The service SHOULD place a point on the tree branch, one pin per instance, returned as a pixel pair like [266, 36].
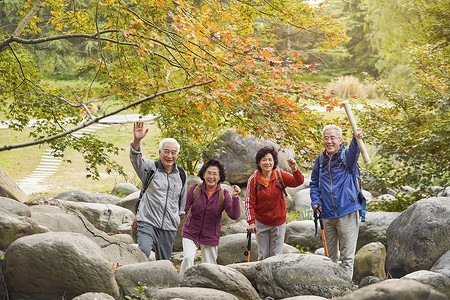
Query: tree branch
[96, 120]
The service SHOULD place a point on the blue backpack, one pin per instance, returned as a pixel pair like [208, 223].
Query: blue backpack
[361, 198]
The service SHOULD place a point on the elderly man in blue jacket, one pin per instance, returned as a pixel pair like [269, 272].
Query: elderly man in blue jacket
[336, 197]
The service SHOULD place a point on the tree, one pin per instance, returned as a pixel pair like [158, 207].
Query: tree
[201, 66]
[412, 134]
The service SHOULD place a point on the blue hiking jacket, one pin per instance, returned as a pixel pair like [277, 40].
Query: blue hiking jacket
[338, 195]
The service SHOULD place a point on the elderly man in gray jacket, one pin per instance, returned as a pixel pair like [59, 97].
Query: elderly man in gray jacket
[163, 202]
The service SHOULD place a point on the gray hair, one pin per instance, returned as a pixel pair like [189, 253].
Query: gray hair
[168, 140]
[333, 127]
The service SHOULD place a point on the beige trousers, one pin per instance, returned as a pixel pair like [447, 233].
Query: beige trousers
[342, 234]
[270, 239]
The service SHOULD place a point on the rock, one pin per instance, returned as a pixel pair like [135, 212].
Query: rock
[438, 281]
[301, 274]
[124, 189]
[129, 202]
[192, 293]
[57, 264]
[442, 265]
[302, 201]
[302, 233]
[232, 247]
[94, 296]
[238, 153]
[13, 227]
[247, 269]
[14, 207]
[369, 261]
[374, 228]
[305, 297]
[9, 189]
[82, 196]
[368, 280]
[130, 277]
[105, 217]
[395, 289]
[219, 277]
[418, 237]
[59, 220]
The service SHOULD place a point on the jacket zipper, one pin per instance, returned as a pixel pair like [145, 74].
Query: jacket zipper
[165, 205]
[351, 195]
[331, 185]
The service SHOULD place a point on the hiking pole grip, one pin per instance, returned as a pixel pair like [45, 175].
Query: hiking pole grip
[362, 147]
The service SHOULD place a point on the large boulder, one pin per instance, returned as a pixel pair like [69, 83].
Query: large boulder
[53, 265]
[369, 261]
[130, 277]
[442, 265]
[221, 278]
[302, 233]
[9, 189]
[14, 207]
[232, 247]
[129, 201]
[395, 289]
[248, 269]
[60, 220]
[124, 189]
[83, 196]
[13, 227]
[438, 281]
[301, 274]
[192, 293]
[418, 237]
[94, 296]
[238, 153]
[374, 228]
[105, 217]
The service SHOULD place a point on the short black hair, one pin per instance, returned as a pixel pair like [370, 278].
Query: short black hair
[216, 163]
[263, 152]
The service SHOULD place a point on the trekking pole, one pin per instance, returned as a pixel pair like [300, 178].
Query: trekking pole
[319, 216]
[249, 245]
[362, 147]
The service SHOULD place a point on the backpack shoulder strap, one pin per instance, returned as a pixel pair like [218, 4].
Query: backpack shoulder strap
[195, 193]
[145, 185]
[221, 198]
[320, 170]
[280, 182]
[182, 175]
[256, 182]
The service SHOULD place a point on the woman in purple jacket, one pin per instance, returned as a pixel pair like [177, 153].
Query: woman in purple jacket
[202, 226]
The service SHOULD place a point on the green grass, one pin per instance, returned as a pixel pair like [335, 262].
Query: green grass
[21, 162]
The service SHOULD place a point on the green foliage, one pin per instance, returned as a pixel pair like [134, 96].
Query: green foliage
[139, 292]
[302, 249]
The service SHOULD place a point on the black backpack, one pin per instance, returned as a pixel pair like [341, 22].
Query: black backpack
[149, 178]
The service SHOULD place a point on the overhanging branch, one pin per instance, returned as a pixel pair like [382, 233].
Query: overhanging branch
[96, 120]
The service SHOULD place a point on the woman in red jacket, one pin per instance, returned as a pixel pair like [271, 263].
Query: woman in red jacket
[206, 201]
[265, 205]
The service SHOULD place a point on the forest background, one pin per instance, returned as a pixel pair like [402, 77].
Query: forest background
[204, 67]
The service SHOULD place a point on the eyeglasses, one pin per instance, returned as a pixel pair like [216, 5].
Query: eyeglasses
[332, 138]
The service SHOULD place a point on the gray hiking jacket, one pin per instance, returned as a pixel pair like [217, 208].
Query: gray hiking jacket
[165, 198]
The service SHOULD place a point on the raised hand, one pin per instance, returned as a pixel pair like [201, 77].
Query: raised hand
[292, 164]
[139, 133]
[236, 190]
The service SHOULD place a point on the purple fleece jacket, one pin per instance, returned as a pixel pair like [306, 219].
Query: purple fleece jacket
[205, 220]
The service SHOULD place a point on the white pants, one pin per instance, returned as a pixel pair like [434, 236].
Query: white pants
[342, 233]
[270, 239]
[209, 254]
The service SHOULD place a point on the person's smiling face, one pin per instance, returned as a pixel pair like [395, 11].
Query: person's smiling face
[266, 163]
[211, 177]
[169, 155]
[331, 141]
